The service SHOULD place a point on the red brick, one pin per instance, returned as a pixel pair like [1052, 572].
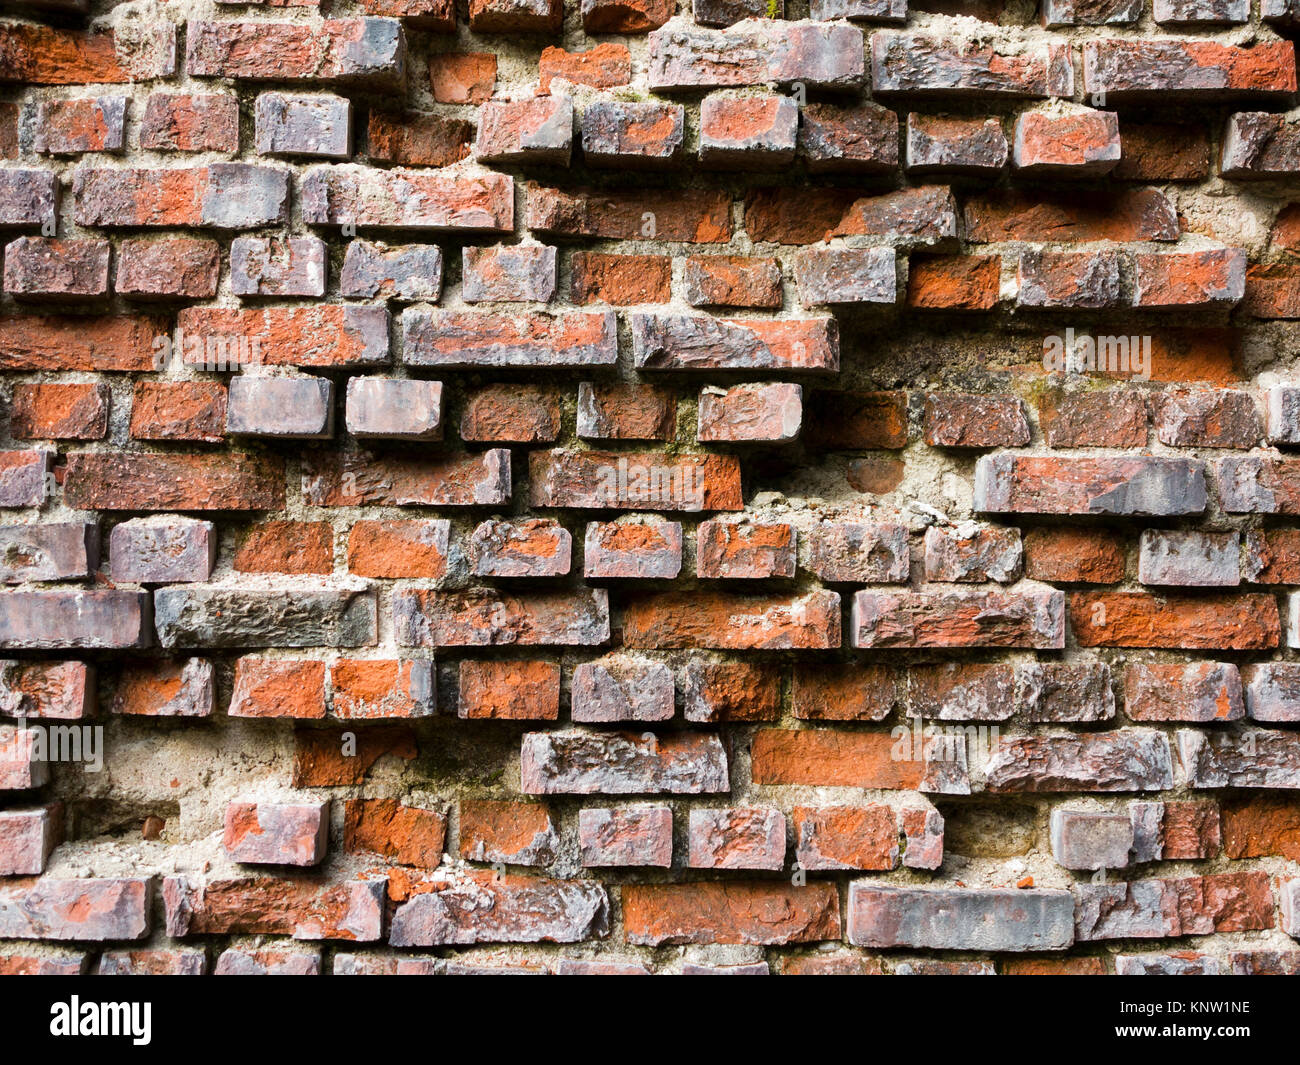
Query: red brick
[278, 687]
[604, 66]
[643, 550]
[1074, 555]
[513, 833]
[696, 216]
[176, 688]
[607, 480]
[917, 64]
[298, 547]
[631, 836]
[525, 414]
[514, 691]
[47, 690]
[1135, 619]
[450, 479]
[1109, 418]
[1139, 214]
[761, 913]
[184, 122]
[46, 269]
[365, 689]
[731, 622]
[845, 693]
[60, 411]
[108, 480]
[621, 279]
[462, 77]
[733, 550]
[1141, 70]
[45, 55]
[176, 267]
[1159, 152]
[407, 199]
[406, 835]
[1083, 143]
[732, 281]
[967, 420]
[264, 833]
[413, 548]
[348, 50]
[626, 412]
[845, 837]
[954, 283]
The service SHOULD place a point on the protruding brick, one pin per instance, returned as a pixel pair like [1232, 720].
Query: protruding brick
[692, 342]
[1082, 143]
[480, 618]
[1194, 558]
[515, 16]
[963, 420]
[47, 690]
[626, 836]
[74, 617]
[57, 411]
[645, 550]
[1135, 619]
[286, 407]
[959, 918]
[359, 51]
[736, 838]
[278, 687]
[721, 621]
[49, 269]
[536, 547]
[264, 833]
[27, 836]
[303, 126]
[845, 837]
[732, 911]
[1136, 486]
[1159, 909]
[618, 763]
[409, 272]
[463, 340]
[210, 615]
[219, 196]
[412, 548]
[972, 553]
[747, 131]
[184, 122]
[92, 910]
[922, 65]
[716, 692]
[860, 139]
[171, 688]
[89, 124]
[347, 194]
[519, 273]
[160, 550]
[352, 479]
[1127, 760]
[270, 266]
[945, 144]
[622, 688]
[732, 281]
[510, 690]
[768, 413]
[173, 268]
[1139, 70]
[394, 408]
[1218, 418]
[537, 131]
[604, 480]
[512, 833]
[846, 276]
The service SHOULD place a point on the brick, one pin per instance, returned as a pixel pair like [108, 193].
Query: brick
[44, 964]
[48, 55]
[736, 838]
[1257, 826]
[626, 412]
[394, 409]
[825, 758]
[974, 421]
[60, 411]
[855, 552]
[1199, 559]
[860, 139]
[1082, 143]
[1271, 556]
[689, 342]
[480, 619]
[626, 836]
[415, 139]
[577, 762]
[747, 131]
[721, 621]
[735, 911]
[318, 760]
[603, 67]
[264, 833]
[1264, 963]
[845, 693]
[1245, 760]
[851, 420]
[1140, 70]
[1081, 280]
[625, 16]
[537, 547]
[1258, 484]
[731, 691]
[86, 618]
[172, 268]
[278, 688]
[1162, 152]
[448, 480]
[515, 16]
[699, 216]
[286, 547]
[214, 616]
[152, 963]
[318, 335]
[24, 477]
[406, 835]
[959, 918]
[220, 196]
[451, 910]
[1206, 419]
[304, 126]
[9, 131]
[347, 194]
[301, 907]
[621, 688]
[922, 829]
[461, 340]
[298, 408]
[845, 837]
[1272, 291]
[947, 144]
[1197, 692]
[962, 692]
[730, 550]
[92, 910]
[1112, 417]
[819, 55]
[1190, 279]
[866, 10]
[972, 554]
[190, 122]
[41, 268]
[1126, 760]
[1282, 414]
[1057, 13]
[22, 766]
[525, 414]
[263, 266]
[363, 689]
[27, 836]
[925, 215]
[520, 273]
[1135, 619]
[162, 549]
[409, 272]
[954, 283]
[513, 833]
[174, 688]
[537, 131]
[729, 12]
[235, 962]
[1054, 691]
[646, 550]
[846, 276]
[1158, 909]
[512, 691]
[1272, 691]
[28, 197]
[771, 413]
[397, 548]
[620, 279]
[47, 690]
[462, 77]
[1190, 830]
[1183, 963]
[1127, 215]
[350, 51]
[920, 65]
[90, 124]
[1136, 486]
[603, 480]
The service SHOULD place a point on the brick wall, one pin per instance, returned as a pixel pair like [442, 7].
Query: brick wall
[622, 489]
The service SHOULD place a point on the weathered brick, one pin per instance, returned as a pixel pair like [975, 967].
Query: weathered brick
[515, 16]
[1135, 619]
[512, 691]
[733, 911]
[90, 124]
[1189, 279]
[190, 122]
[416, 139]
[461, 340]
[353, 479]
[88, 618]
[860, 139]
[856, 552]
[1056, 691]
[959, 918]
[266, 266]
[22, 764]
[1129, 760]
[537, 131]
[917, 64]
[347, 194]
[617, 763]
[54, 411]
[954, 283]
[172, 688]
[538, 547]
[699, 216]
[1080, 143]
[26, 838]
[1136, 486]
[962, 692]
[1139, 70]
[747, 131]
[48, 55]
[172, 268]
[602, 67]
[626, 836]
[1199, 691]
[360, 51]
[235, 962]
[462, 77]
[215, 616]
[992, 619]
[91, 909]
[1112, 417]
[516, 413]
[47, 690]
[406, 835]
[642, 549]
[625, 16]
[481, 618]
[405, 272]
[278, 687]
[299, 408]
[263, 833]
[620, 279]
[605, 480]
[1258, 484]
[947, 144]
[286, 547]
[845, 837]
[621, 688]
[162, 549]
[845, 693]
[1137, 214]
[1201, 559]
[520, 273]
[689, 342]
[1157, 909]
[771, 413]
[819, 55]
[220, 196]
[1245, 760]
[1081, 280]
[47, 269]
[410, 548]
[301, 907]
[722, 621]
[512, 833]
[825, 758]
[846, 275]
[1272, 691]
[736, 838]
